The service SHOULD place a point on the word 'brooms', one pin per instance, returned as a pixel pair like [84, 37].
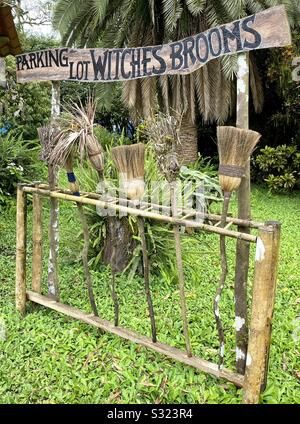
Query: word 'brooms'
[129, 161]
[235, 146]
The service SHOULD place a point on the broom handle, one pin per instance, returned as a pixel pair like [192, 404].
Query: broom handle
[141, 228]
[178, 252]
[113, 290]
[221, 285]
[74, 187]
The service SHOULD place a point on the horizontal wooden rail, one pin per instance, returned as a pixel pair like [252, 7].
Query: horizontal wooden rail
[140, 212]
[169, 351]
[167, 209]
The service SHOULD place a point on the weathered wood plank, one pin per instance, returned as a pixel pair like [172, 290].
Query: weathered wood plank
[266, 29]
[21, 251]
[37, 236]
[171, 352]
[264, 285]
[244, 212]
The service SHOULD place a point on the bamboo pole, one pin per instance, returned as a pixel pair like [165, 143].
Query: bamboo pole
[263, 296]
[53, 288]
[21, 251]
[141, 228]
[139, 212]
[242, 249]
[169, 351]
[37, 243]
[178, 252]
[166, 209]
[277, 228]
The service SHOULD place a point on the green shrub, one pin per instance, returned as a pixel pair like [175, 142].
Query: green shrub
[279, 167]
[18, 163]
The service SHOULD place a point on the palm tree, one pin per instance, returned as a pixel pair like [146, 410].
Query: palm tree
[132, 23]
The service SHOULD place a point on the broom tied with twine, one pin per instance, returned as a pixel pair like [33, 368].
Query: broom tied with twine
[235, 146]
[129, 161]
[76, 136]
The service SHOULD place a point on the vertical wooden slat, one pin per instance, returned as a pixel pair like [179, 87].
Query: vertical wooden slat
[242, 248]
[263, 296]
[53, 288]
[37, 243]
[179, 263]
[21, 251]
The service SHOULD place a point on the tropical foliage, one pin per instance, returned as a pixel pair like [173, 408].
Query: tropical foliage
[279, 167]
[18, 163]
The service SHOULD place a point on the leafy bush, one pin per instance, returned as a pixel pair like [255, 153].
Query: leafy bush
[18, 162]
[25, 107]
[279, 167]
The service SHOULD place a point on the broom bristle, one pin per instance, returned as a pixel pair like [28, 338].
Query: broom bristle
[47, 136]
[235, 146]
[129, 161]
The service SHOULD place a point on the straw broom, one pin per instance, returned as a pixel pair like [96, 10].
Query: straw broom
[129, 161]
[163, 132]
[76, 136]
[235, 146]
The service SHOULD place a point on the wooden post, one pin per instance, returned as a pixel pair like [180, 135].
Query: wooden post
[36, 242]
[242, 248]
[21, 251]
[263, 296]
[53, 288]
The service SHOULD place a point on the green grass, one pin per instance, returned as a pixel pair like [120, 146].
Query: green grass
[49, 358]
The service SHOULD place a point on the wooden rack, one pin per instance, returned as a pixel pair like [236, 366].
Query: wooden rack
[263, 292]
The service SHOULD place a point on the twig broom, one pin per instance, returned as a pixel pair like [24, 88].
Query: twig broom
[129, 161]
[235, 146]
[163, 132]
[76, 136]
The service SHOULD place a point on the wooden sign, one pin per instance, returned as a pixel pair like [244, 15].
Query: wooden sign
[269, 28]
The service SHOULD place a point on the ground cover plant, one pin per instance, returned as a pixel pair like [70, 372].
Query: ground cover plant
[49, 358]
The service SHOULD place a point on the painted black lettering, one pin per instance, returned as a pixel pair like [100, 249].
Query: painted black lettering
[39, 60]
[109, 66]
[136, 63]
[215, 33]
[32, 60]
[188, 54]
[53, 58]
[71, 76]
[125, 53]
[163, 66]
[19, 60]
[257, 37]
[24, 62]
[86, 68]
[232, 34]
[203, 38]
[117, 54]
[146, 60]
[99, 65]
[176, 55]
[79, 70]
[63, 57]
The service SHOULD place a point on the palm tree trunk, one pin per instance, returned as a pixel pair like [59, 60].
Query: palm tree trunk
[188, 149]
